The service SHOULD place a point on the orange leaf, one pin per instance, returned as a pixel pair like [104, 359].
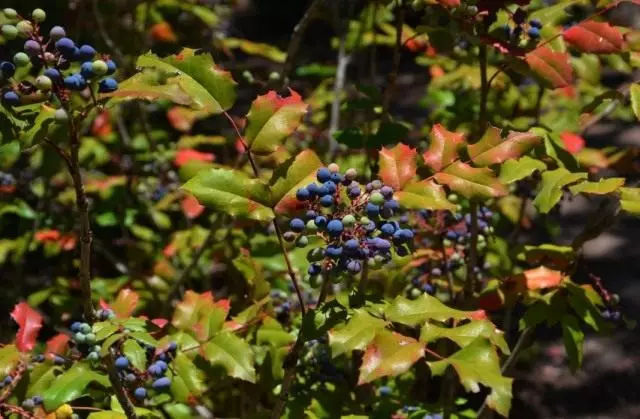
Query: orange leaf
[595, 37]
[125, 303]
[44, 236]
[101, 126]
[191, 207]
[58, 344]
[30, 322]
[186, 155]
[163, 32]
[572, 142]
[538, 278]
[443, 149]
[398, 165]
[552, 67]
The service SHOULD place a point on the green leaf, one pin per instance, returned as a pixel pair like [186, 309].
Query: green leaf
[602, 187]
[443, 148]
[425, 194]
[107, 414]
[232, 353]
[40, 127]
[150, 85]
[289, 177]
[9, 154]
[210, 88]
[551, 189]
[359, 331]
[72, 385]
[103, 330]
[144, 337]
[231, 192]
[188, 380]
[273, 334]
[41, 378]
[414, 312]
[390, 354]
[478, 363]
[634, 91]
[471, 182]
[464, 335]
[573, 338]
[271, 120]
[492, 149]
[556, 13]
[135, 353]
[178, 411]
[630, 200]
[515, 170]
[9, 359]
[108, 343]
[198, 313]
[586, 308]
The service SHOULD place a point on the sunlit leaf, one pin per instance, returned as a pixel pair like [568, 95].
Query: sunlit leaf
[471, 182]
[602, 187]
[71, 385]
[492, 149]
[552, 186]
[414, 312]
[198, 313]
[397, 165]
[356, 334]
[465, 334]
[289, 177]
[232, 353]
[553, 68]
[30, 323]
[595, 37]
[390, 354]
[443, 148]
[515, 170]
[425, 194]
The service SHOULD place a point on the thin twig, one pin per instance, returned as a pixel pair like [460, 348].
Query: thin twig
[103, 32]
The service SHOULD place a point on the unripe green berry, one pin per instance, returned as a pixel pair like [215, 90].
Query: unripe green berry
[80, 337]
[90, 338]
[61, 116]
[10, 13]
[9, 31]
[44, 83]
[351, 174]
[376, 198]
[348, 220]
[85, 328]
[415, 293]
[21, 59]
[274, 76]
[302, 241]
[25, 28]
[364, 220]
[99, 67]
[311, 226]
[38, 15]
[315, 281]
[93, 356]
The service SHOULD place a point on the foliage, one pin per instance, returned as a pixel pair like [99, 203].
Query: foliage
[312, 252]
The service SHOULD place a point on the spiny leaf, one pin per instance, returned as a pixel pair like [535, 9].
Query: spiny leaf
[471, 182]
[271, 120]
[538, 278]
[30, 322]
[443, 149]
[125, 303]
[425, 194]
[40, 127]
[232, 192]
[147, 86]
[552, 184]
[390, 354]
[465, 334]
[492, 149]
[273, 334]
[9, 359]
[602, 187]
[71, 385]
[289, 177]
[188, 380]
[414, 312]
[198, 313]
[553, 68]
[476, 364]
[595, 37]
[232, 353]
[359, 331]
[398, 165]
[515, 170]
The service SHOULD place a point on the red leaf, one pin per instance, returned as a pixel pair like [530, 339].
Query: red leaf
[161, 323]
[163, 32]
[30, 322]
[572, 142]
[398, 165]
[44, 236]
[170, 250]
[57, 344]
[186, 155]
[595, 37]
[552, 67]
[101, 126]
[125, 303]
[443, 149]
[537, 279]
[449, 3]
[181, 119]
[191, 207]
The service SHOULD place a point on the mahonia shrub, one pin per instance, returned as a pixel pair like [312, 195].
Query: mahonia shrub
[322, 254]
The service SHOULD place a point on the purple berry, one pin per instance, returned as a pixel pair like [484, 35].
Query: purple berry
[11, 98]
[57, 32]
[161, 384]
[140, 393]
[32, 48]
[354, 266]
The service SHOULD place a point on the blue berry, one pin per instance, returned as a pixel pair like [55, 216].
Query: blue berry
[155, 370]
[87, 52]
[111, 67]
[108, 85]
[354, 192]
[370, 227]
[52, 73]
[75, 327]
[86, 70]
[382, 244]
[323, 175]
[335, 227]
[32, 48]
[58, 360]
[75, 82]
[7, 69]
[384, 391]
[297, 225]
[536, 23]
[161, 384]
[372, 210]
[326, 201]
[322, 190]
[162, 365]
[310, 215]
[37, 400]
[57, 32]
[336, 177]
[140, 393]
[333, 250]
[8, 380]
[387, 192]
[533, 32]
[122, 362]
[314, 269]
[387, 229]
[303, 194]
[354, 266]
[129, 378]
[313, 189]
[331, 186]
[391, 204]
[352, 244]
[66, 47]
[11, 98]
[429, 289]
[172, 347]
[321, 221]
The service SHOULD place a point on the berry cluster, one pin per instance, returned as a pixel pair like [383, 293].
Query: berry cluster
[6, 381]
[56, 64]
[514, 34]
[136, 381]
[31, 403]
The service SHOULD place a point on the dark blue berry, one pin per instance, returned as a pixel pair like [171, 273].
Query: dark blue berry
[326, 201]
[384, 391]
[37, 400]
[336, 177]
[111, 67]
[155, 370]
[162, 365]
[297, 225]
[321, 221]
[387, 192]
[323, 175]
[533, 33]
[387, 229]
[161, 384]
[391, 204]
[313, 189]
[108, 85]
[75, 327]
[536, 23]
[333, 250]
[66, 47]
[58, 360]
[172, 347]
[372, 210]
[354, 266]
[314, 269]
[7, 69]
[335, 227]
[11, 98]
[331, 186]
[87, 52]
[140, 393]
[303, 194]
[352, 244]
[122, 362]
[86, 70]
[52, 73]
[354, 192]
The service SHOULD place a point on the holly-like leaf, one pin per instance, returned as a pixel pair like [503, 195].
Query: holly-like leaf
[271, 120]
[425, 194]
[39, 128]
[359, 331]
[634, 93]
[553, 68]
[471, 182]
[492, 149]
[188, 380]
[443, 148]
[30, 323]
[71, 385]
[390, 354]
[465, 334]
[414, 312]
[200, 314]
[150, 86]
[210, 88]
[595, 37]
[9, 359]
[573, 338]
[273, 334]
[57, 344]
[232, 353]
[537, 279]
[135, 353]
[602, 187]
[398, 165]
[125, 303]
[478, 363]
[552, 184]
[291, 176]
[232, 192]
[515, 170]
